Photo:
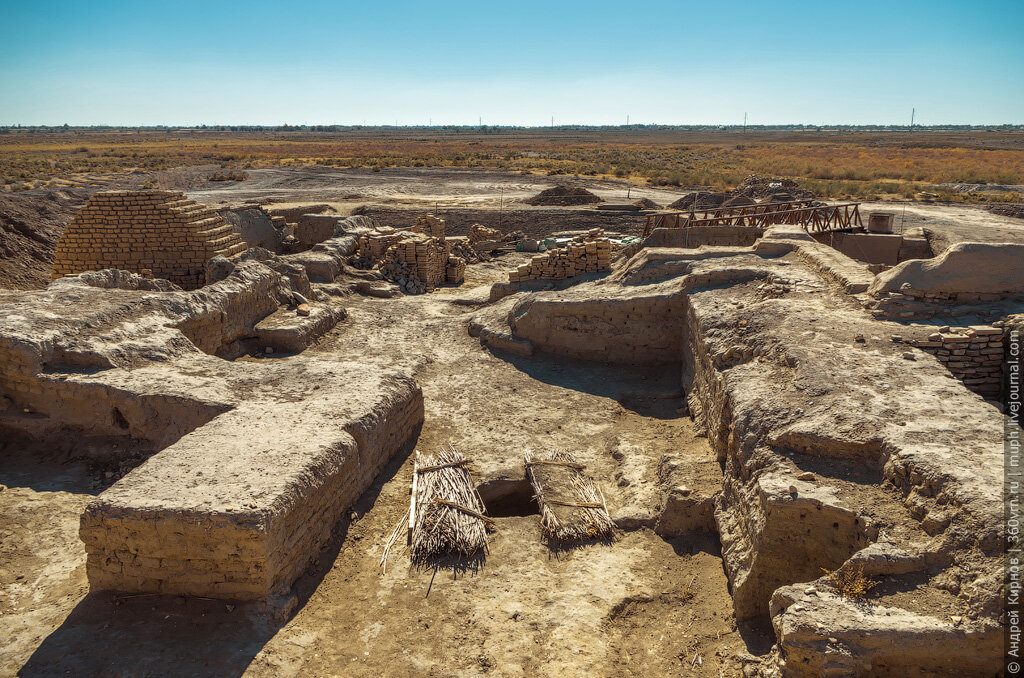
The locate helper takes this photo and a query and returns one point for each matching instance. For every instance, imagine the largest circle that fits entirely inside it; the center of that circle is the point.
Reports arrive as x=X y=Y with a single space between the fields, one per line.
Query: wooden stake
x=412 y=501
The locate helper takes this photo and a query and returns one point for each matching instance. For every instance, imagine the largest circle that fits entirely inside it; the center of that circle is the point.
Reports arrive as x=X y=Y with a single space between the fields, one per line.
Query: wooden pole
x=412 y=501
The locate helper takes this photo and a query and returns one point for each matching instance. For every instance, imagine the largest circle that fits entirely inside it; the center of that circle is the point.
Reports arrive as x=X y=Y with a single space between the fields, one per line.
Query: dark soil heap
x=754 y=188
x=30 y=226
x=1008 y=210
x=647 y=204
x=700 y=200
x=563 y=195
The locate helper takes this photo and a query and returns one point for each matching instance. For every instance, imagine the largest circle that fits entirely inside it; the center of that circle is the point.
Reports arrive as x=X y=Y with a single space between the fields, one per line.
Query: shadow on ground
x=110 y=634
x=648 y=390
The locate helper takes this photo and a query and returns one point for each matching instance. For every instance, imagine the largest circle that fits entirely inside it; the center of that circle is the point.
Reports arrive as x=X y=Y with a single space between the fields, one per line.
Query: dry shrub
x=850 y=582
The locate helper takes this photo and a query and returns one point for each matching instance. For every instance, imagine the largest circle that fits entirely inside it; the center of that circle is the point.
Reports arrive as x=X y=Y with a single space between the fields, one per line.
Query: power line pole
x=912 y=112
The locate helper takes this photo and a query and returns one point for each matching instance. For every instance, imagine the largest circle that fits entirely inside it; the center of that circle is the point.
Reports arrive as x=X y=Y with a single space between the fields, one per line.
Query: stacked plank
x=155 y=233
x=584 y=254
x=427 y=257
x=428 y=224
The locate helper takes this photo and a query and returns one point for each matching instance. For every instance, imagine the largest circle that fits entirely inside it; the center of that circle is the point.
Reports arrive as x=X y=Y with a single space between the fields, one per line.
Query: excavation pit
x=508 y=498
x=744 y=439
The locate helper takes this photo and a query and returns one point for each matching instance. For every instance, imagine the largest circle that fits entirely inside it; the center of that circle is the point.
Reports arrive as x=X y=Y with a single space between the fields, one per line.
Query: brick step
x=207 y=223
x=224 y=241
x=231 y=251
x=218 y=232
x=199 y=214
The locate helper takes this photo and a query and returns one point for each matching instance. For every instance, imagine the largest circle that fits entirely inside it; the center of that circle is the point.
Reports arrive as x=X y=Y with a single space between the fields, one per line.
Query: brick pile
x=455 y=272
x=974 y=355
x=584 y=254
x=415 y=261
x=480 y=233
x=428 y=224
x=158 y=233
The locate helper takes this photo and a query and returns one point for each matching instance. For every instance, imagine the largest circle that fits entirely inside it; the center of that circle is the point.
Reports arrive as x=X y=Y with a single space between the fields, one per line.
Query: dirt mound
x=647 y=204
x=1011 y=210
x=700 y=200
x=758 y=187
x=754 y=189
x=563 y=195
x=739 y=201
x=30 y=226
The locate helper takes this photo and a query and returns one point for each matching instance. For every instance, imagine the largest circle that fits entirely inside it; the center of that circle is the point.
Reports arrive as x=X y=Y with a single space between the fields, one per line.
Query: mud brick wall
x=697 y=236
x=194 y=545
x=428 y=224
x=911 y=303
x=581 y=255
x=974 y=355
x=147 y=232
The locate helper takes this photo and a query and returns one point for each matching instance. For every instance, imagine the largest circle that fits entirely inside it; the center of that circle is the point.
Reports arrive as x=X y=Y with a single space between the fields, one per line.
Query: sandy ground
x=422 y=188
x=950 y=223
x=642 y=605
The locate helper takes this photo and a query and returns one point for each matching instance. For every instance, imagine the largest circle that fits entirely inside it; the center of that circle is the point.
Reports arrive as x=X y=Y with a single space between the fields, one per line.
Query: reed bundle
x=572 y=507
x=447 y=513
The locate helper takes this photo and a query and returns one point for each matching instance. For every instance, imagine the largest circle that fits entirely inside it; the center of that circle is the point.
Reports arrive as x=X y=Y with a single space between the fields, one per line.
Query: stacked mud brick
x=974 y=355
x=426 y=257
x=584 y=254
x=480 y=233
x=158 y=233
x=428 y=224
x=455 y=272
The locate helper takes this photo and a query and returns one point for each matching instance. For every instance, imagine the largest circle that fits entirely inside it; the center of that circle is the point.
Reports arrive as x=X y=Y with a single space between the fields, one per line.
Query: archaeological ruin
x=811 y=405
x=159 y=234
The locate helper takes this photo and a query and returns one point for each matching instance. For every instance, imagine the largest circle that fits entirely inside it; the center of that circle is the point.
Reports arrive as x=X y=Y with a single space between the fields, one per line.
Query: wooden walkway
x=814 y=218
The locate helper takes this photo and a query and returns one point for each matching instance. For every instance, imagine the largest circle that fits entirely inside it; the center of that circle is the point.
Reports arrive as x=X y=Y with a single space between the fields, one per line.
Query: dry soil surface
x=642 y=605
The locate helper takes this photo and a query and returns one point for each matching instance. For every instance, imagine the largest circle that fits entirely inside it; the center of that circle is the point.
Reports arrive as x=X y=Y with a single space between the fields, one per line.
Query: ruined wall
x=974 y=355
x=876 y=248
x=697 y=236
x=640 y=330
x=161 y=233
x=243 y=532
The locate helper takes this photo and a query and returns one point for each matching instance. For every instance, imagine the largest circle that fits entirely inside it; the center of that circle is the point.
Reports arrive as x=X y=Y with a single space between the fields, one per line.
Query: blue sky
x=511 y=62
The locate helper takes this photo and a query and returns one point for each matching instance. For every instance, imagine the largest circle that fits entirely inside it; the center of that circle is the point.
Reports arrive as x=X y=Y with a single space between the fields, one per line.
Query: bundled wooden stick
x=572 y=507
x=447 y=513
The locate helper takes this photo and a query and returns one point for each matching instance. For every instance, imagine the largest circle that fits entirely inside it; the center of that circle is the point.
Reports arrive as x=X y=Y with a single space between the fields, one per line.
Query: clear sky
x=521 y=62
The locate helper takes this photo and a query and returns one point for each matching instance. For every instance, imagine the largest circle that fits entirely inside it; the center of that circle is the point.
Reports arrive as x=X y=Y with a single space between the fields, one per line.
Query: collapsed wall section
x=156 y=233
